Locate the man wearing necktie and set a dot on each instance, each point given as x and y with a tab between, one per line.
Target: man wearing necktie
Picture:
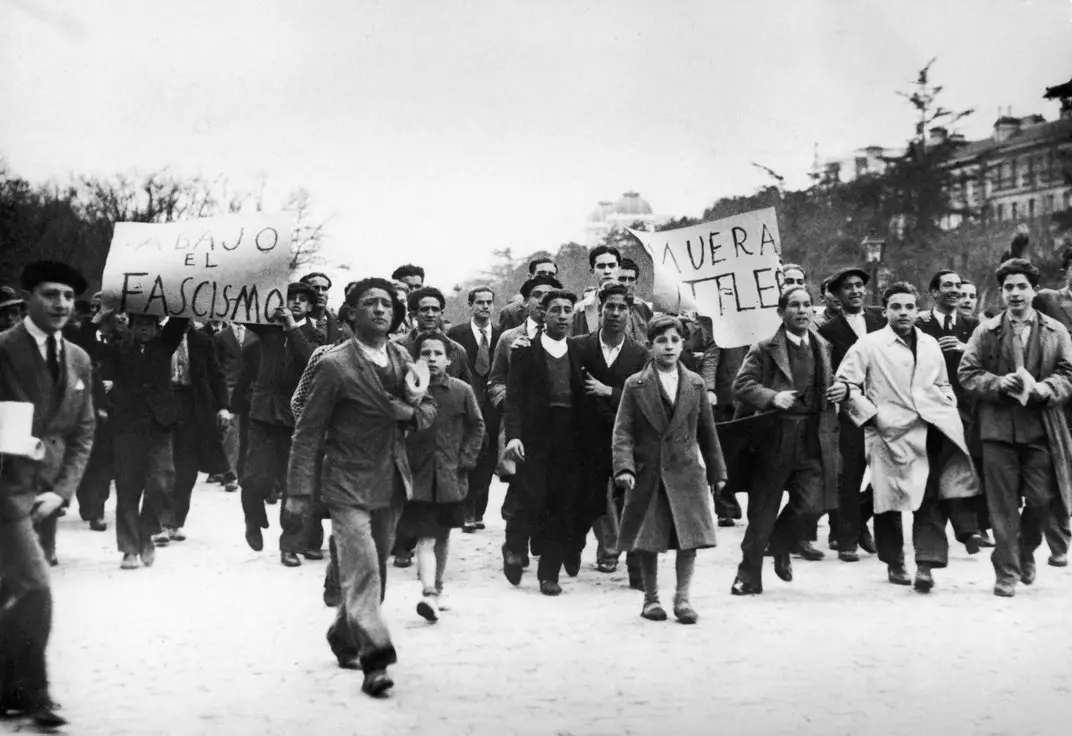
479	338
952	331
1018	368
37	366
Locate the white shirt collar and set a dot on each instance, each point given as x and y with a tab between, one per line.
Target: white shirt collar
557	348
531	328
302	323
39	335
479	331
610	353
802	340
941	317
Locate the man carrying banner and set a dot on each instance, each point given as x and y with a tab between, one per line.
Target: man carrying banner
39	367
902	398
789	374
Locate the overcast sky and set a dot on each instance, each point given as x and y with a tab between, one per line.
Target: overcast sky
434	132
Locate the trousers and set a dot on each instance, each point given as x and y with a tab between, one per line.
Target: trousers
1013	471
25	617
96	483
144	476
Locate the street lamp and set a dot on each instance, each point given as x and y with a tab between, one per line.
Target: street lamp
873	246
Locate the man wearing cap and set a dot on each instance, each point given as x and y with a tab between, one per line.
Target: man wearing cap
842	332
10	308
38	366
285	349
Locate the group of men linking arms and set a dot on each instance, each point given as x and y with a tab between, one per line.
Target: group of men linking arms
913	400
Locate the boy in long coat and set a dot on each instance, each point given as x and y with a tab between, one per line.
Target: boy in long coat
789	374
1027	452
913	436
668	459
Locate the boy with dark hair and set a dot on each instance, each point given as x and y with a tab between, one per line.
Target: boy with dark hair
409	274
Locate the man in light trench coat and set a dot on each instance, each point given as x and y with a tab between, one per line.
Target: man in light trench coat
914	439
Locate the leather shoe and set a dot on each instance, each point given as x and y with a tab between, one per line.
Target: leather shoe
52	560
867	542
254	538
653	611
973	544
848	555
1005	588
130	562
549	587
98	525
163	539
986	542
45	717
403	561
469	527
313	554
231	486
898	575
377	683
808	551
332	597
289	559
726	522
1058	559
572	565
1028	571
685	613
783	567
924	580
832	543
742	587
480	525
512	566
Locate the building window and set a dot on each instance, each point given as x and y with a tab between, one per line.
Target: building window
1047	203
1014	216
1031	208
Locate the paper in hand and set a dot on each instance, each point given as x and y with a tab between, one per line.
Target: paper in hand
1029	385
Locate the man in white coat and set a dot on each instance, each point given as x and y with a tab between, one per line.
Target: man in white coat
914	439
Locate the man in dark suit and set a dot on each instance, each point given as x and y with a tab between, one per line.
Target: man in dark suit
952	331
479	338
39	367
608	357
285	350
203	409
237	350
542	420
842	332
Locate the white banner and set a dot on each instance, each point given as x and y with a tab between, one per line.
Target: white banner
728	270
234	267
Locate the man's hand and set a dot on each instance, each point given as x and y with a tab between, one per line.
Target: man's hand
107	386
102	415
521	341
1012	383
837	392
224	417
950	344
784	400
45	505
592	387
1042	392
713	398
297	506
625	481
719	486
515	449
417	378
285	317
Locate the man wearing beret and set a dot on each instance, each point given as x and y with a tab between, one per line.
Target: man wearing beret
38	366
842	332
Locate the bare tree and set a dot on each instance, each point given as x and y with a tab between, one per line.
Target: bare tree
308	236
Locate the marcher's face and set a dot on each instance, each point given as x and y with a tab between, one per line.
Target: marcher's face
429	313
968	299
373	312
833	304
536	310
1017	293
413	282
901	313
558	319
481	307
95	304
605	268
628	277
143	328
547	268
851	294
797	313
320	286
667	346
299	306
793	277
9	317
948	292
614	313
434	354
50	305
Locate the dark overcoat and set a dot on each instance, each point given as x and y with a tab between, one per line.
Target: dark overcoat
440	456
678	456
764	373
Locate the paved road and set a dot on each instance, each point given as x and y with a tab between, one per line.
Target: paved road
216	639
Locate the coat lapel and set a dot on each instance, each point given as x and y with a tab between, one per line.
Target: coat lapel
780	353
651	405
591	315
686	397
31	363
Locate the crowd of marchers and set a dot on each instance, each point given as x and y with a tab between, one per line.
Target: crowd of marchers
602	416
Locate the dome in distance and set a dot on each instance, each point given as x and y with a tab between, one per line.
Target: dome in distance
632	203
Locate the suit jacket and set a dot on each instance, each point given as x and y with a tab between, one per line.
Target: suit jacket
233	360
962	330
500	364
841	336
331	327
463	335
598	412
284	354
512	315
141	390
586	318
351	432
63	420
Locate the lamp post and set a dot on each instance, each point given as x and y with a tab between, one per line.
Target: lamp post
873	246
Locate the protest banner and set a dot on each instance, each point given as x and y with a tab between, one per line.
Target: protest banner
728	270
234	267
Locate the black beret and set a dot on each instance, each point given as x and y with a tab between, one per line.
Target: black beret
528	286
835	280
299	287
41	271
